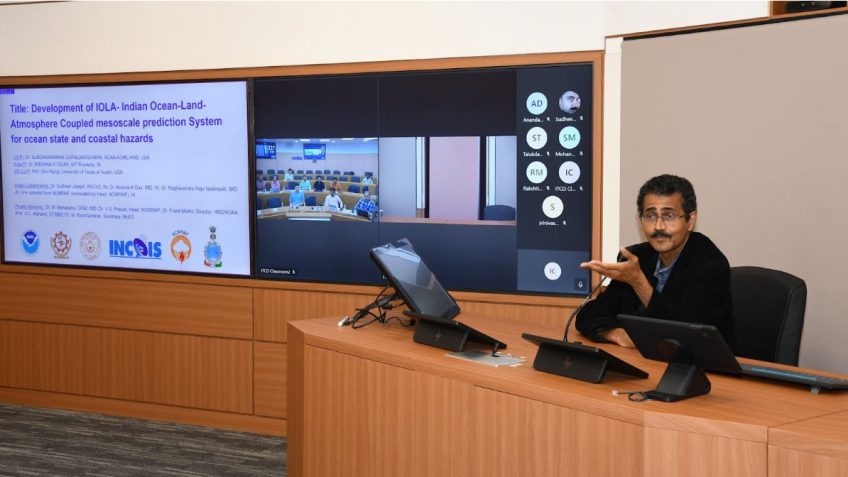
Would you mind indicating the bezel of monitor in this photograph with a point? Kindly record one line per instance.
(404, 291)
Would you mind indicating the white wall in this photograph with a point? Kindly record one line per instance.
(100, 37)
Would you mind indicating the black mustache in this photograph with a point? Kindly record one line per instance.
(660, 234)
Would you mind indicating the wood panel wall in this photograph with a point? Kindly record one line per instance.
(209, 351)
(202, 350)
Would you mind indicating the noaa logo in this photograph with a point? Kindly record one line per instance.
(180, 246)
(30, 242)
(212, 252)
(138, 247)
(61, 244)
(90, 245)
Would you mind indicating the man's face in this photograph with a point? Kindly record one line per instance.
(667, 237)
(569, 102)
(297, 188)
(367, 196)
(332, 191)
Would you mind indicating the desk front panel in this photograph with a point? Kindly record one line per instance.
(543, 415)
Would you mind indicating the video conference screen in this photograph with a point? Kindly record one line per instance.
(142, 176)
(488, 173)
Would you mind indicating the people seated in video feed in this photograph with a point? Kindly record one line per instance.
(319, 185)
(260, 182)
(305, 185)
(333, 201)
(275, 184)
(367, 180)
(289, 176)
(366, 207)
(297, 198)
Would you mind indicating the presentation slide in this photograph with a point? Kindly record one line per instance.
(143, 176)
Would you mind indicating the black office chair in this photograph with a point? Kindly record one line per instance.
(768, 308)
(498, 212)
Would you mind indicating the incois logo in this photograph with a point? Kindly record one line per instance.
(135, 248)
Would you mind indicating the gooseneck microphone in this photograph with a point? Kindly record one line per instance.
(581, 305)
(618, 259)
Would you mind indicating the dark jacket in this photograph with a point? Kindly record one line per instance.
(697, 291)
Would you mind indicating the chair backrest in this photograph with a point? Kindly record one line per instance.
(768, 310)
(293, 184)
(299, 171)
(274, 202)
(271, 171)
(310, 200)
(355, 179)
(309, 171)
(297, 177)
(498, 212)
(326, 171)
(353, 189)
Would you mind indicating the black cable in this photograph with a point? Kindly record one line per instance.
(382, 302)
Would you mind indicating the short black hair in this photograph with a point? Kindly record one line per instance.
(666, 185)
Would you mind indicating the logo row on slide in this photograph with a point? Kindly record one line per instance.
(141, 248)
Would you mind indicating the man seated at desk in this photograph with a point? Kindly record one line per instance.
(333, 201)
(318, 186)
(367, 180)
(677, 274)
(289, 175)
(305, 184)
(366, 206)
(296, 198)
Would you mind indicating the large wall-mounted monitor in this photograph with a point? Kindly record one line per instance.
(137, 176)
(489, 171)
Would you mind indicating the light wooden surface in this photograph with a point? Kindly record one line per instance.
(815, 447)
(178, 370)
(358, 387)
(269, 375)
(165, 307)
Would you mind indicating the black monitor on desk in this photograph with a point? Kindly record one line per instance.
(431, 305)
(688, 348)
(413, 280)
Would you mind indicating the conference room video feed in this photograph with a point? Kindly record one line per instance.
(348, 163)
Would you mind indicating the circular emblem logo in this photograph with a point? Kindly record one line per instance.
(90, 245)
(30, 242)
(180, 247)
(61, 244)
(212, 252)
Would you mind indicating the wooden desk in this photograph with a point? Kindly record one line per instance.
(309, 213)
(372, 402)
(349, 199)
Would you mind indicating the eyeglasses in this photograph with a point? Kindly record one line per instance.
(669, 217)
